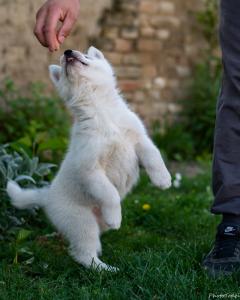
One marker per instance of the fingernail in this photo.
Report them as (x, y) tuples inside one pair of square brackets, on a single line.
[(61, 39)]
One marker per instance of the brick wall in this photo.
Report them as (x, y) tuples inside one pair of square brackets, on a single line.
[(22, 58), (152, 44)]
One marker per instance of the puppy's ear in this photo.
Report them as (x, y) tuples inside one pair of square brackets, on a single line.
[(94, 52), (55, 72)]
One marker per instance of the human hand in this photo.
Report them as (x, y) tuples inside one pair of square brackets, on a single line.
[(52, 11)]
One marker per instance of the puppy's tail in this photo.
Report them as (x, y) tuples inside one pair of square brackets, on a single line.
[(26, 198)]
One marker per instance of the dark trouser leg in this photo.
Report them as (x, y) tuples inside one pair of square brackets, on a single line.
[(226, 162)]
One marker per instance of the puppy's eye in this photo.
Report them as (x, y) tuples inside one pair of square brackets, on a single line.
[(87, 56)]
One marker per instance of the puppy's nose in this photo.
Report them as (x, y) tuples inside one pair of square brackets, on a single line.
[(68, 52)]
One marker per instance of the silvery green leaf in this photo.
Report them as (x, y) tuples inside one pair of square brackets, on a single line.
[(45, 265), (44, 169), (25, 250), (3, 169), (29, 261), (6, 157), (10, 172), (15, 220), (33, 165), (24, 177), (43, 183), (52, 235)]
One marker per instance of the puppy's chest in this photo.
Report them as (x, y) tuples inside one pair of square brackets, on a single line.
[(118, 146), (120, 163)]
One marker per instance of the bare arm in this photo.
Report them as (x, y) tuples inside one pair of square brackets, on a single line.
[(47, 18)]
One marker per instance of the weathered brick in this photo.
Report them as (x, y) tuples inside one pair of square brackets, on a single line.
[(128, 72), (128, 96), (147, 85), (148, 6), (155, 94), (147, 31), (166, 7), (160, 107), (131, 59), (144, 20), (174, 108), (190, 49), (106, 44), (129, 32), (139, 96), (111, 32), (173, 83), (129, 85), (160, 82), (114, 58), (147, 58), (163, 34), (149, 71), (158, 21), (123, 45), (149, 45), (183, 71), (16, 54), (119, 20), (4, 15), (129, 6)]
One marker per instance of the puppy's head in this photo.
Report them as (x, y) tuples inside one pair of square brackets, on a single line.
[(77, 69)]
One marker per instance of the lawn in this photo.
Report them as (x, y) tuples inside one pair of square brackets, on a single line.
[(159, 252)]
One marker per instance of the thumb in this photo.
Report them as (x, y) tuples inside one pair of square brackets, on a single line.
[(66, 27)]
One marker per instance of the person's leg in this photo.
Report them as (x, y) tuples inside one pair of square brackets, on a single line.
[(226, 163)]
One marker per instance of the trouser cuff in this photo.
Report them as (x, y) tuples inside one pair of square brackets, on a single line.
[(229, 218)]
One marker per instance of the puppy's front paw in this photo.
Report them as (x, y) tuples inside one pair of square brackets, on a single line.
[(112, 217), (162, 180)]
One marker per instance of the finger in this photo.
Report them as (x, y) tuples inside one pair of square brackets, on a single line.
[(38, 29), (66, 27), (50, 27)]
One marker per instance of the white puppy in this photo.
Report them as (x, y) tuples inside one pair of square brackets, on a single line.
[(108, 142)]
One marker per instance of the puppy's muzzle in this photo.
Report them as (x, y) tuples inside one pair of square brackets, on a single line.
[(71, 57)]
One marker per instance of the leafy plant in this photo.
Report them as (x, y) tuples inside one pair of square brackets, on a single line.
[(192, 134), (22, 168), (22, 236), (199, 108), (39, 124), (175, 143), (27, 171), (208, 20)]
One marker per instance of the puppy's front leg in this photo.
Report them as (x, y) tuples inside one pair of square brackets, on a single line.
[(101, 189), (152, 161)]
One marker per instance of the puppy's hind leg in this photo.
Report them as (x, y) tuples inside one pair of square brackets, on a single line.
[(98, 185), (82, 230)]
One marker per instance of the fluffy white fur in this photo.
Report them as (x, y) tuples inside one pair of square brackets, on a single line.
[(108, 142)]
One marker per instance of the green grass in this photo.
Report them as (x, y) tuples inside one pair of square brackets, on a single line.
[(159, 252)]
